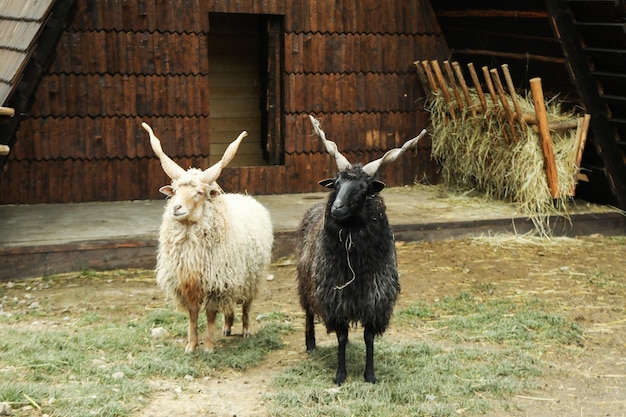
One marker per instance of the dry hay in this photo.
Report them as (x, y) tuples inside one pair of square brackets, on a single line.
[(476, 152)]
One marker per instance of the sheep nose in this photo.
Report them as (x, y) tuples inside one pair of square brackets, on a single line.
[(339, 210), (177, 209)]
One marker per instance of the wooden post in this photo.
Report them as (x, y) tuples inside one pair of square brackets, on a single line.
[(581, 139), (430, 76), (492, 91), (479, 90), (518, 109), (444, 88), (459, 76), (544, 134), (4, 150), (422, 76), (7, 111), (505, 103), (457, 95), (494, 99)]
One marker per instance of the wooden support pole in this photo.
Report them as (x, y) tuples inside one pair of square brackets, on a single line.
[(505, 104), (444, 88), (531, 119), (430, 76), (455, 89), (518, 109), (459, 76), (7, 111), (479, 90), (489, 84), (544, 134), (423, 78), (581, 139), (494, 99)]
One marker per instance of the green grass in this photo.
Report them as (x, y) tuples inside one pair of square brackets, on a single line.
[(466, 318), (96, 366), (464, 354), (417, 379), (482, 353)]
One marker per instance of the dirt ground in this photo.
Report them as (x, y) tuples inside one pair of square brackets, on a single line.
[(583, 280)]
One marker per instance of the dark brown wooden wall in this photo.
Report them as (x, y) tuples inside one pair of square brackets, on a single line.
[(123, 62)]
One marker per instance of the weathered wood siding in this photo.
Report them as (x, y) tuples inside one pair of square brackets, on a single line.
[(123, 62)]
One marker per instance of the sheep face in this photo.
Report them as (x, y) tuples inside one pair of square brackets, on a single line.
[(351, 188), (188, 195)]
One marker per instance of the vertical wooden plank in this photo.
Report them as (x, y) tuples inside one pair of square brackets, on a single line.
[(544, 133)]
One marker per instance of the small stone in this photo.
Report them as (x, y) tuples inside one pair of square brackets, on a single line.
[(159, 333), (5, 409), (118, 375)]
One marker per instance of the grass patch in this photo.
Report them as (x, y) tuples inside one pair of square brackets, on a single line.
[(418, 379), (466, 318), (448, 377), (99, 366)]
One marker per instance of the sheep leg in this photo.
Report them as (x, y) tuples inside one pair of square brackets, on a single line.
[(229, 319), (342, 339), (192, 333), (309, 331), (211, 315), (368, 336), (245, 318)]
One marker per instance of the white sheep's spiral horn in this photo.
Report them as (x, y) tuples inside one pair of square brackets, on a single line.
[(171, 168), (211, 174), (372, 167), (331, 147)]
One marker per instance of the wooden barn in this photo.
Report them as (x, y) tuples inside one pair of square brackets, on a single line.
[(199, 72), (86, 73)]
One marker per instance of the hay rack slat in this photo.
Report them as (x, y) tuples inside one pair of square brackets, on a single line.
[(495, 102)]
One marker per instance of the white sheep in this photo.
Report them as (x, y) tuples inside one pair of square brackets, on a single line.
[(213, 246)]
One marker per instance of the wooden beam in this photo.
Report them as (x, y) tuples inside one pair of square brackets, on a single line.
[(7, 111), (517, 14), (544, 133)]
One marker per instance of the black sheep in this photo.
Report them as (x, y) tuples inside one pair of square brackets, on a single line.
[(347, 270)]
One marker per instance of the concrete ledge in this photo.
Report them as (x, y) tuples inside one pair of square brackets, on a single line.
[(24, 261)]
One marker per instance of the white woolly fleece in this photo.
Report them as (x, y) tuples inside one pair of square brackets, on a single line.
[(218, 260)]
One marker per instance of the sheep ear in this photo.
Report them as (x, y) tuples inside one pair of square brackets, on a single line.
[(328, 183), (168, 190), (377, 186)]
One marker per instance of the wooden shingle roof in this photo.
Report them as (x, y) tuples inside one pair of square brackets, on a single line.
[(29, 32), (20, 23)]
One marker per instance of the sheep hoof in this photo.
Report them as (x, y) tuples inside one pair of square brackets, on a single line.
[(226, 332), (190, 348), (340, 379), (370, 378), (246, 333)]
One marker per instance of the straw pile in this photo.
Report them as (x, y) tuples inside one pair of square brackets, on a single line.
[(476, 153)]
